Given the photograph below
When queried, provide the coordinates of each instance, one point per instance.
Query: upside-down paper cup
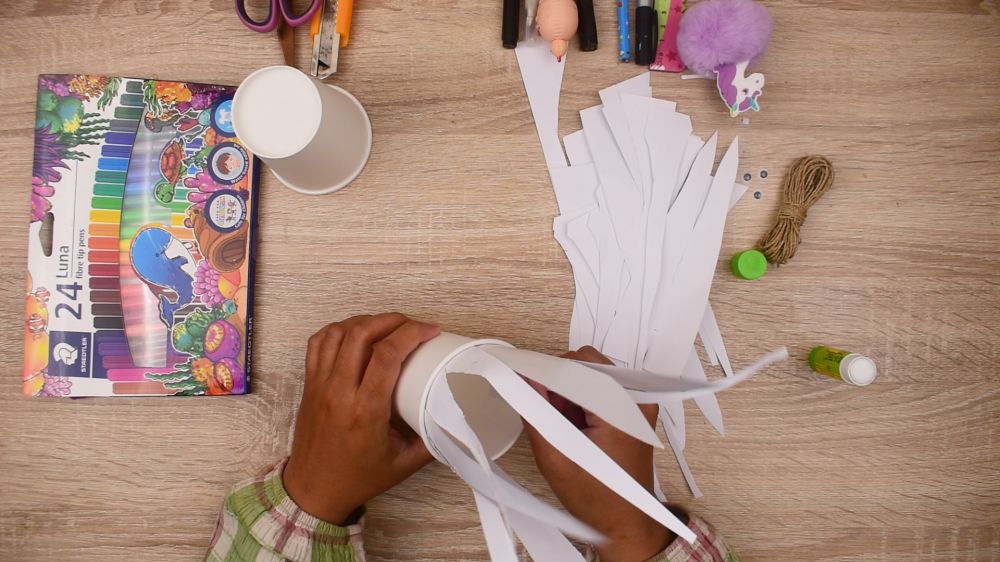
(315, 137)
(493, 420)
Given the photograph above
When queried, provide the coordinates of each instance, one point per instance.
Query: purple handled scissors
(280, 16)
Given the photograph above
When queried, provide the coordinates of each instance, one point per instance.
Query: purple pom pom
(714, 32)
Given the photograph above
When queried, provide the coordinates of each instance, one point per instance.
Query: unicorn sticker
(738, 91)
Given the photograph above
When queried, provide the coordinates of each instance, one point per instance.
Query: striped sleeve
(259, 522)
(707, 547)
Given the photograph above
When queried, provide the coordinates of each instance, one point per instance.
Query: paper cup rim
(306, 190)
(316, 101)
(434, 379)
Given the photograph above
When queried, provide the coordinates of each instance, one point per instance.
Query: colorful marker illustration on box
(147, 287)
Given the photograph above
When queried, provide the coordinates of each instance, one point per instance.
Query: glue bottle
(852, 368)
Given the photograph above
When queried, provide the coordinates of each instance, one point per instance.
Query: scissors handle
(305, 17)
(269, 24)
(276, 9)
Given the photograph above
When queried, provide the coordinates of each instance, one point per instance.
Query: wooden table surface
(451, 222)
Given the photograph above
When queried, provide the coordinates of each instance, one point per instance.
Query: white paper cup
(315, 137)
(494, 421)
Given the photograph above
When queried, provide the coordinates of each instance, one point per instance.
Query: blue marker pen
(624, 36)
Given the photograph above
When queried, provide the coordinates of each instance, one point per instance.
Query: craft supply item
(315, 137)
(747, 176)
(510, 21)
(557, 21)
(493, 420)
(626, 221)
(717, 32)
(530, 29)
(737, 90)
(662, 8)
(725, 38)
(624, 35)
(852, 368)
(588, 25)
(315, 28)
(152, 197)
(758, 194)
(763, 174)
(808, 178)
(345, 9)
(645, 31)
(325, 41)
(281, 16)
(466, 399)
(748, 264)
(667, 59)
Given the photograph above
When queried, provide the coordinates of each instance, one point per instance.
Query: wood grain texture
(451, 221)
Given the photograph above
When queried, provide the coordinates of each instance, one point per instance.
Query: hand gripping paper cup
(466, 399)
(315, 137)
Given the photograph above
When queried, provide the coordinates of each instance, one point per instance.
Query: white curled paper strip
(593, 391)
(565, 437)
(707, 387)
(512, 495)
(493, 481)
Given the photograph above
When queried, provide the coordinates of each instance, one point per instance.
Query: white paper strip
(590, 389)
(674, 439)
(512, 495)
(614, 112)
(679, 310)
(577, 149)
(542, 541)
(711, 338)
(561, 434)
(707, 403)
(542, 75)
(647, 397)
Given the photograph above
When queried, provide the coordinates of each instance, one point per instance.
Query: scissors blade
(286, 36)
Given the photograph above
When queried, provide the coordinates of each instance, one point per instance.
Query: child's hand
(347, 448)
(632, 535)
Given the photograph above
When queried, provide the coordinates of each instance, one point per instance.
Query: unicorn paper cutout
(738, 91)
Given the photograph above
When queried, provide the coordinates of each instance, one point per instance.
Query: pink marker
(667, 58)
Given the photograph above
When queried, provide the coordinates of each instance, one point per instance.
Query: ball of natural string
(807, 180)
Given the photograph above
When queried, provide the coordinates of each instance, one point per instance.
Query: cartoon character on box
(216, 348)
(35, 376)
(164, 263)
(198, 113)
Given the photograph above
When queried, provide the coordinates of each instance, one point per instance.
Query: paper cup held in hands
(315, 137)
(466, 398)
(497, 424)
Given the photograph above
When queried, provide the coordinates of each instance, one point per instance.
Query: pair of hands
(348, 446)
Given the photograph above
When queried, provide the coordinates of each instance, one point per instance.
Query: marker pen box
(141, 238)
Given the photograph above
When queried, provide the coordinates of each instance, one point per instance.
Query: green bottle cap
(749, 264)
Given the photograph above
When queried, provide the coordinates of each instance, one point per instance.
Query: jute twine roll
(807, 180)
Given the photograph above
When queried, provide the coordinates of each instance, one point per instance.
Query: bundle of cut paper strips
(641, 221)
(466, 399)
